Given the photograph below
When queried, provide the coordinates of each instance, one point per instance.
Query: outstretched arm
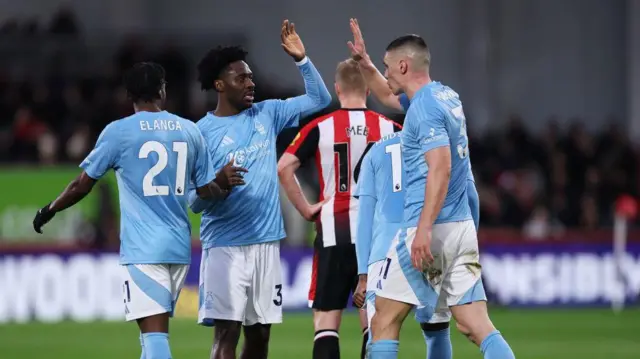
(77, 189)
(316, 96)
(103, 157)
(375, 80)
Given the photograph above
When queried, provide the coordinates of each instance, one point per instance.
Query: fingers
(283, 31)
(352, 47)
(230, 163)
(292, 28)
(239, 169)
(355, 29)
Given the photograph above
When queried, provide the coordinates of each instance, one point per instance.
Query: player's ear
(404, 67)
(218, 85)
(337, 87)
(368, 92)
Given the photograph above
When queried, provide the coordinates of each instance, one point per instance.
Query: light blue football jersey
(382, 178)
(155, 156)
(405, 103)
(251, 213)
(435, 119)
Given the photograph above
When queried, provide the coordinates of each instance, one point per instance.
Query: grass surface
(533, 334)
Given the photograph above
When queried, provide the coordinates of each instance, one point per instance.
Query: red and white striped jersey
(339, 141)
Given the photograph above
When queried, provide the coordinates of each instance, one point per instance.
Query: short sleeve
(305, 145)
(104, 155)
(366, 181)
(404, 102)
(203, 172)
(431, 127)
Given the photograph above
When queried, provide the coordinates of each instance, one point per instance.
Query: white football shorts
(453, 279)
(242, 284)
(151, 289)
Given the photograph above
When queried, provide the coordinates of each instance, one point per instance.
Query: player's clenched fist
(291, 42)
(230, 176)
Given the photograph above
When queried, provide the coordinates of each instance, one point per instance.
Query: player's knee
(327, 320)
(258, 334)
(382, 326)
(227, 332)
(464, 330)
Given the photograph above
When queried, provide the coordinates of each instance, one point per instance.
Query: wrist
(366, 63)
(47, 208)
(301, 60)
(362, 277)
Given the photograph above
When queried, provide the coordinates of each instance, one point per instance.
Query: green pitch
(533, 334)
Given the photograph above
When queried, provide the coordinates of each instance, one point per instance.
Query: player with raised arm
(240, 277)
(433, 262)
(337, 142)
(378, 85)
(154, 154)
(381, 194)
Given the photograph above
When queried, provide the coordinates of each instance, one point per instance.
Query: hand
(230, 176)
(359, 295)
(421, 256)
(358, 50)
(43, 217)
(291, 42)
(313, 210)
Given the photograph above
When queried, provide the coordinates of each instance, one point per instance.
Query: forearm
(365, 232)
(316, 96)
(196, 203)
(435, 194)
(377, 83)
(294, 191)
(73, 194)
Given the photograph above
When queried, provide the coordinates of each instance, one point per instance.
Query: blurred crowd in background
(541, 182)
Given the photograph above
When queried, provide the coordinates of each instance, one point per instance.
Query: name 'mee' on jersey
(435, 119)
(251, 213)
(338, 142)
(155, 156)
(382, 179)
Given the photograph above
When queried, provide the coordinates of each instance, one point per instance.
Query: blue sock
(495, 347)
(438, 344)
(383, 349)
(156, 346)
(142, 356)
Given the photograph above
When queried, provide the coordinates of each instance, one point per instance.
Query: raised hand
(357, 47)
(291, 42)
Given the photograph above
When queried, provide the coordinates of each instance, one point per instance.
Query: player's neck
(147, 107)
(352, 102)
(224, 109)
(416, 84)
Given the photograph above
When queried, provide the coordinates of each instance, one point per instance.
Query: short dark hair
(144, 81)
(415, 43)
(411, 39)
(215, 62)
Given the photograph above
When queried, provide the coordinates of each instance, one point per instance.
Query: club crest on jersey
(358, 130)
(260, 128)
